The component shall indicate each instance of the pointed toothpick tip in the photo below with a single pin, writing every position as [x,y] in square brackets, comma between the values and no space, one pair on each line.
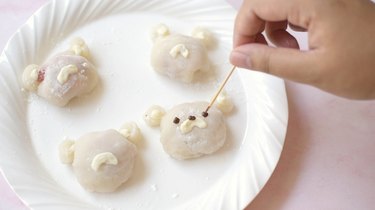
[220,88]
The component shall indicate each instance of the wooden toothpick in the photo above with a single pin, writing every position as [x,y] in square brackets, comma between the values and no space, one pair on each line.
[220,89]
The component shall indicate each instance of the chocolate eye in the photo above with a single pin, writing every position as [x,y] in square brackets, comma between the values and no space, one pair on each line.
[176,120]
[204,114]
[192,117]
[41,73]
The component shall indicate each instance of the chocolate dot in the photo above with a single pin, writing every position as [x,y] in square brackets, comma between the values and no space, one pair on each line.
[176,120]
[204,114]
[192,117]
[41,75]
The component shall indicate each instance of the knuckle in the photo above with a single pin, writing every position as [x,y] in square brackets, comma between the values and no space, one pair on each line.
[261,61]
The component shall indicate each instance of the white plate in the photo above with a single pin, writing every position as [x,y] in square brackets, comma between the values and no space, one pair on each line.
[117,33]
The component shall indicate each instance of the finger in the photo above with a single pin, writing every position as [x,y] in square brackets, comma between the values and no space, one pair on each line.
[296,28]
[260,39]
[286,63]
[276,32]
[297,13]
[252,17]
[247,26]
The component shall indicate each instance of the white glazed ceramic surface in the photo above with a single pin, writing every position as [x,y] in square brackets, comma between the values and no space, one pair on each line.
[117,33]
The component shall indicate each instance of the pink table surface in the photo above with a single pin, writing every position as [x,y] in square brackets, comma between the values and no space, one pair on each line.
[328,158]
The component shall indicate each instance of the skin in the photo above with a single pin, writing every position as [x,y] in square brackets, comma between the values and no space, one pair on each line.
[341,39]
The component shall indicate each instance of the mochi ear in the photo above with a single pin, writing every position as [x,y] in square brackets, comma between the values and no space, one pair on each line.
[66,151]
[153,115]
[79,47]
[30,77]
[224,103]
[131,132]
[205,36]
[159,31]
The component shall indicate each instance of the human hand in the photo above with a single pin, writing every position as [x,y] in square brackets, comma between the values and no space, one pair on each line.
[341,39]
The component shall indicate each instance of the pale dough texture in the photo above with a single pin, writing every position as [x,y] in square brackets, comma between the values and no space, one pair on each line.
[183,64]
[102,161]
[201,140]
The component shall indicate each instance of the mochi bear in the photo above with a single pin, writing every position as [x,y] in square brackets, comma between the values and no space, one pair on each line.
[64,76]
[102,161]
[187,131]
[179,56]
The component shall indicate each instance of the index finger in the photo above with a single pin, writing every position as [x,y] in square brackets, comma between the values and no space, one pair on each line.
[247,26]
[253,15]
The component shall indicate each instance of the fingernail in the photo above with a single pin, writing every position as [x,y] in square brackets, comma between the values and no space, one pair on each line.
[240,59]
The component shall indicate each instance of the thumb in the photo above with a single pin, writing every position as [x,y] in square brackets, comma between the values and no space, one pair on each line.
[287,63]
